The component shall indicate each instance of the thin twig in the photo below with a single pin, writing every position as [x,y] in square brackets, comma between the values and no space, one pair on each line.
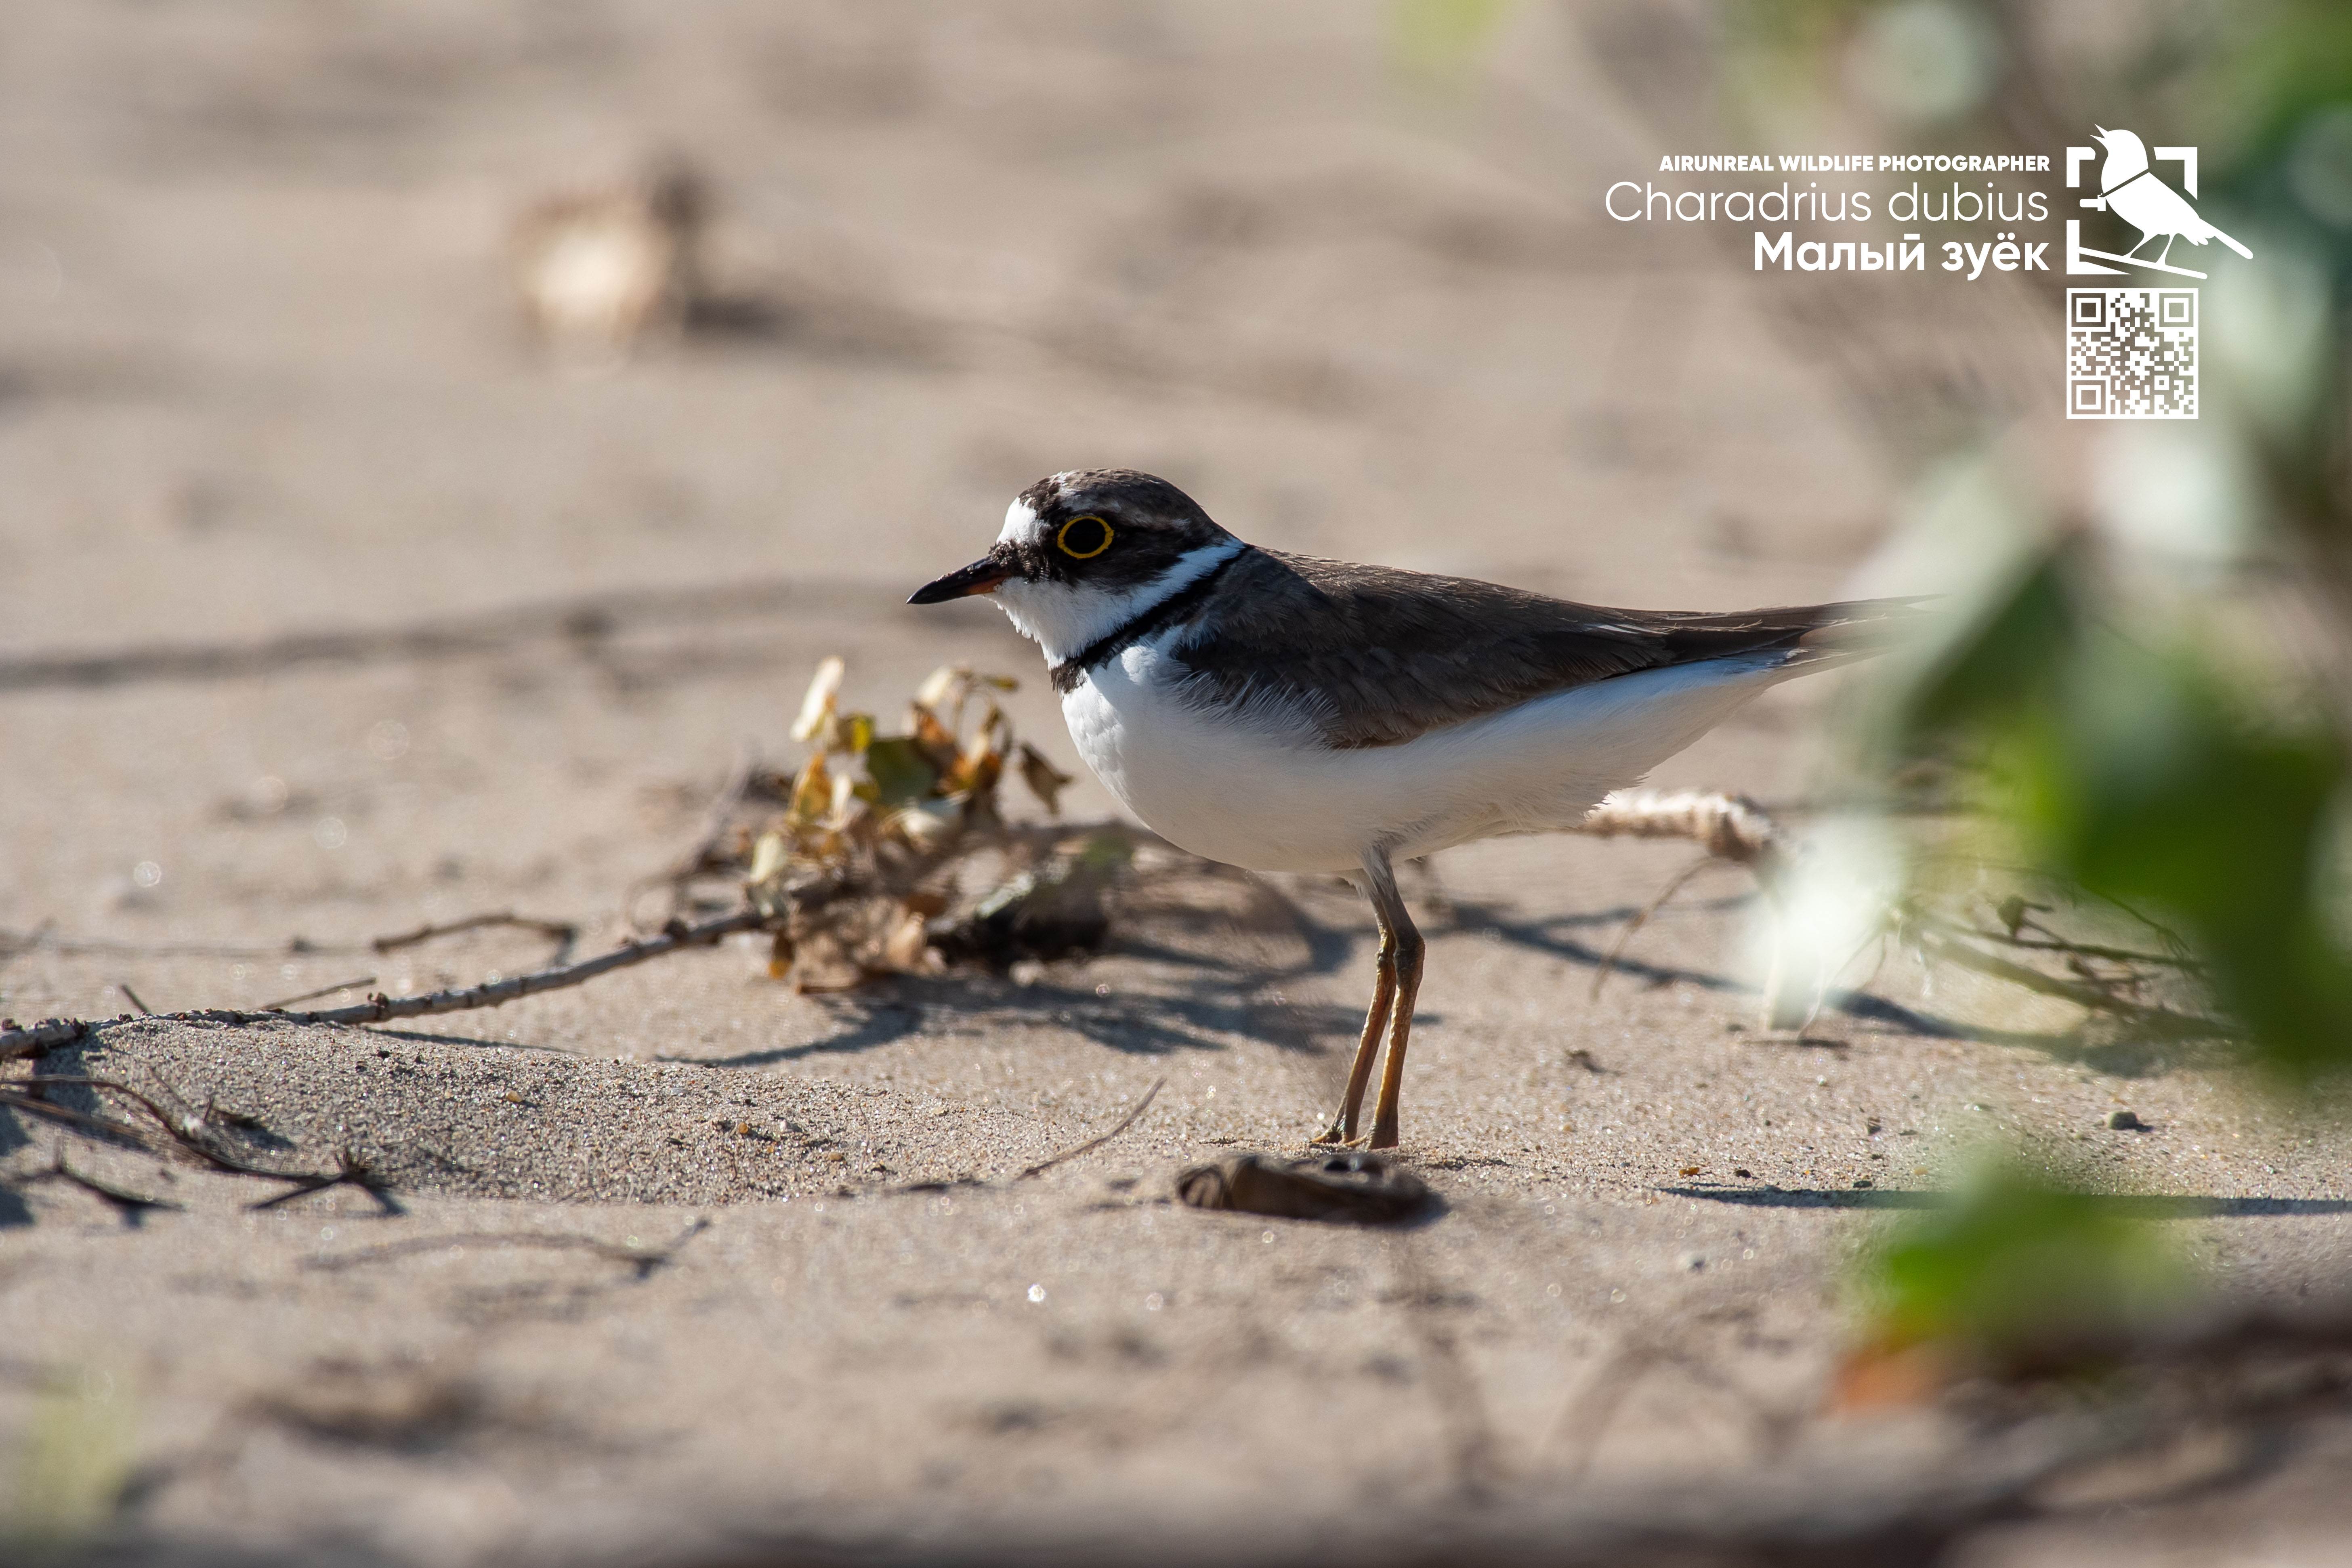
[348,1171]
[82,1120]
[124,986]
[1939,943]
[1091,1144]
[179,1122]
[718,819]
[1586,1418]
[1479,1469]
[1625,934]
[176,1129]
[285,1002]
[41,939]
[561,932]
[645,1260]
[24,1040]
[2080,949]
[122,1198]
[451,637]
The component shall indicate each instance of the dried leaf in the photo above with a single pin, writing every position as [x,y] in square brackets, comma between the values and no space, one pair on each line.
[817,706]
[771,858]
[904,949]
[768,857]
[948,680]
[974,779]
[847,805]
[822,963]
[928,824]
[831,869]
[976,767]
[1045,780]
[901,770]
[935,738]
[811,793]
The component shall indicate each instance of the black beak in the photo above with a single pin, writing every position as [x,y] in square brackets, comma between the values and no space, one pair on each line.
[980,577]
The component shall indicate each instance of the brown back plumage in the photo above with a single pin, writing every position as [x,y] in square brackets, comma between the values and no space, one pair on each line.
[1382,656]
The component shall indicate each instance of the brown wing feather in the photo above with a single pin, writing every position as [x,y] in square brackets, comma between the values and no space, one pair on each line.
[1384,655]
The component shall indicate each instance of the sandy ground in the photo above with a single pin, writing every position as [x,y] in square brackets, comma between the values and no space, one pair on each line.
[659,1276]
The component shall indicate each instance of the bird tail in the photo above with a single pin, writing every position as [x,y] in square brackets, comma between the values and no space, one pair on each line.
[1804,636]
[1860,628]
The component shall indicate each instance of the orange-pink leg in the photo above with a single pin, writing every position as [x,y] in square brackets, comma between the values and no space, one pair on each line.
[1396,980]
[1384,979]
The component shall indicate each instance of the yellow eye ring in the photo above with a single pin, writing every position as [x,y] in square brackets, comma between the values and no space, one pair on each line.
[1062,539]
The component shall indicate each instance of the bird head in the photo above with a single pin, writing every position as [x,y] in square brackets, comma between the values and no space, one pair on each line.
[2123,147]
[1082,552]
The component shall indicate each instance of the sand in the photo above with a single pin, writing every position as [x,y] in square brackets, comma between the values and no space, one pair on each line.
[681,1266]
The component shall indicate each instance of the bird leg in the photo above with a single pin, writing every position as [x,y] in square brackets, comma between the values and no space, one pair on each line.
[2168,249]
[1410,949]
[1384,979]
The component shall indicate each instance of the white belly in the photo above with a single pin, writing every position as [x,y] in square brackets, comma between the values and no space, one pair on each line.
[1259,792]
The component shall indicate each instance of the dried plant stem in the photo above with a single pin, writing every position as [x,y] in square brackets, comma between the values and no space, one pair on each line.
[1734,828]
[1938,942]
[1642,918]
[559,932]
[706,857]
[50,1033]
[310,996]
[1727,826]
[1091,1144]
[122,1198]
[643,1260]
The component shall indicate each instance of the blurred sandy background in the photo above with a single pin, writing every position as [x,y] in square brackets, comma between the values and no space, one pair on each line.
[335,602]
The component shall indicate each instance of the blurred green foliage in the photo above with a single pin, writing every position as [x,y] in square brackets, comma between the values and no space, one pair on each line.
[2016,1269]
[1442,35]
[75,1461]
[2150,777]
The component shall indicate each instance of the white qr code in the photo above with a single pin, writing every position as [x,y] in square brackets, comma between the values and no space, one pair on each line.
[2131,353]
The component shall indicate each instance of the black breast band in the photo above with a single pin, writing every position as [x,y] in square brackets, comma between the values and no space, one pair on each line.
[1067,675]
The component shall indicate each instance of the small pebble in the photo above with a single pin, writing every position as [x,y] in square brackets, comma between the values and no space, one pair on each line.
[1693,1261]
[1862,1181]
[1743,1173]
[2125,1122]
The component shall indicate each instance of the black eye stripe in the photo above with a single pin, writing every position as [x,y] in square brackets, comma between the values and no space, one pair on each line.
[1084,537]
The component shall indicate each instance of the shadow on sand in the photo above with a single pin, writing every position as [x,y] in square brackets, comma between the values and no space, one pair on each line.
[2128,1205]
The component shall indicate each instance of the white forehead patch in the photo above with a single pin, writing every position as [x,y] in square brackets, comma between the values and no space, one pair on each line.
[1021,525]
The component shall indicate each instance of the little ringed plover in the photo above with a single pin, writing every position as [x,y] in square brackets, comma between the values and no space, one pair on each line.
[1283,713]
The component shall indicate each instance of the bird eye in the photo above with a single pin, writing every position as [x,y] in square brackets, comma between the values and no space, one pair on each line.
[1084,537]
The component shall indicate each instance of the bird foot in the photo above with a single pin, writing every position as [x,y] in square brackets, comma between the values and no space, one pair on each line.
[1340,1133]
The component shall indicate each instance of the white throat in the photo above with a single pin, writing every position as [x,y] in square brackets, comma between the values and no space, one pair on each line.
[1062,618]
